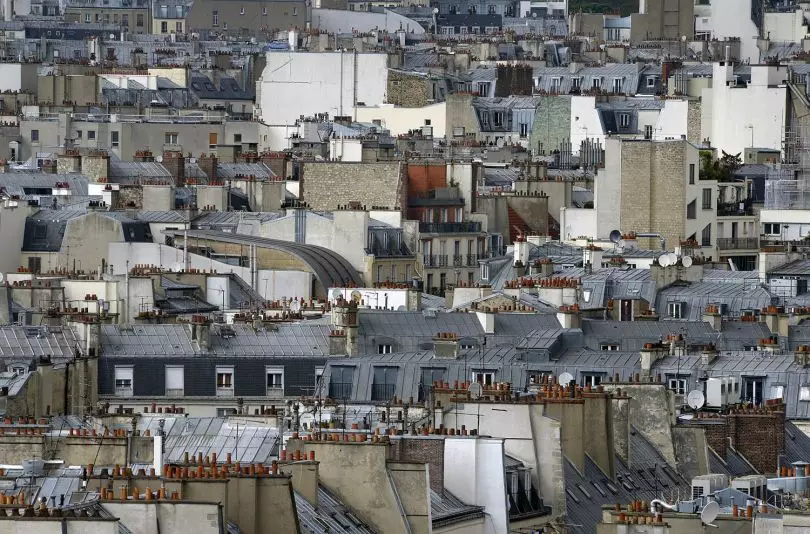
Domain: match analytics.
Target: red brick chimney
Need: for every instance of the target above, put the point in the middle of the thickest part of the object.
(208, 165)
(175, 163)
(143, 155)
(277, 162)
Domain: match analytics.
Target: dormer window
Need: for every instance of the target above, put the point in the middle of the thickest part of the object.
(624, 120)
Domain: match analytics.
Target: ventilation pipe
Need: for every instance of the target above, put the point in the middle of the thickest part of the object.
(653, 234)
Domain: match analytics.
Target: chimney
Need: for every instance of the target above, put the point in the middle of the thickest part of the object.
(344, 318)
(802, 356)
(96, 166)
(487, 320)
(277, 162)
(708, 355)
(70, 161)
(713, 316)
(445, 345)
(208, 165)
(543, 268)
(144, 156)
(337, 343)
(521, 250)
(592, 255)
(651, 353)
(175, 163)
(569, 316)
(49, 166)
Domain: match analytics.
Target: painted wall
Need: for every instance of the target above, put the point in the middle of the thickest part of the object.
(585, 122)
(732, 18)
(400, 120)
(295, 84)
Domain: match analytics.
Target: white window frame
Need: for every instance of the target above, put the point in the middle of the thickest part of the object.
(617, 85)
(277, 389)
(591, 379)
(650, 82)
(224, 391)
(624, 120)
(175, 391)
(385, 348)
(675, 310)
(772, 228)
(609, 347)
(124, 380)
(776, 391)
(523, 128)
(804, 393)
(677, 384)
(486, 378)
(556, 84)
(596, 83)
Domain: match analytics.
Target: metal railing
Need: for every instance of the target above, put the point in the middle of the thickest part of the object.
(458, 261)
(449, 227)
(726, 209)
(340, 390)
(737, 243)
(382, 392)
(275, 392)
(437, 260)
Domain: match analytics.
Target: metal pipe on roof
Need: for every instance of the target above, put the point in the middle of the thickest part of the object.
(653, 234)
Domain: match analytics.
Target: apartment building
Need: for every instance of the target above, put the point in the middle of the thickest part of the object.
(132, 15)
(258, 18)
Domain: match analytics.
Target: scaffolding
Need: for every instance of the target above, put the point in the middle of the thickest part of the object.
(787, 186)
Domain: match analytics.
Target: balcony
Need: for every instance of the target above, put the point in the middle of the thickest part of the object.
(458, 261)
(450, 227)
(224, 391)
(436, 197)
(340, 390)
(735, 209)
(382, 392)
(472, 260)
(737, 243)
(275, 392)
(437, 260)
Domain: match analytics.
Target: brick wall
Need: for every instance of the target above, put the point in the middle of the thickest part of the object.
(208, 165)
(760, 437)
(423, 177)
(175, 163)
(408, 90)
(328, 185)
(421, 449)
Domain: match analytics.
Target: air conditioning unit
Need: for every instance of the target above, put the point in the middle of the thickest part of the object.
(705, 485)
(753, 485)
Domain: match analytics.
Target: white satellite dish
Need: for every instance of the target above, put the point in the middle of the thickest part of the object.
(695, 399)
(475, 390)
(622, 243)
(663, 260)
(336, 293)
(673, 258)
(177, 267)
(192, 160)
(565, 378)
(709, 513)
(295, 306)
(499, 143)
(159, 159)
(686, 261)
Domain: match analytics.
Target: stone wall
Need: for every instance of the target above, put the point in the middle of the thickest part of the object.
(461, 114)
(330, 185)
(408, 90)
(552, 123)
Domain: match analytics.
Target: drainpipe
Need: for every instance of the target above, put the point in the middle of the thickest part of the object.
(126, 304)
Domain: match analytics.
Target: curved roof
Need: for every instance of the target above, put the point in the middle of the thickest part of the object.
(330, 268)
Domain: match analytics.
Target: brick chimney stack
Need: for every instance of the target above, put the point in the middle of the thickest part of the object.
(208, 165)
(175, 163)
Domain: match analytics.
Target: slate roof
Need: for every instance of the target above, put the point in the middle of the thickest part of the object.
(797, 444)
(142, 171)
(22, 343)
(447, 509)
(228, 89)
(736, 297)
(227, 171)
(168, 340)
(329, 516)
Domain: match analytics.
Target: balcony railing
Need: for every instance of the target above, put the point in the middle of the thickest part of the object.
(449, 227)
(437, 260)
(472, 260)
(458, 261)
(224, 391)
(382, 392)
(739, 209)
(340, 390)
(737, 243)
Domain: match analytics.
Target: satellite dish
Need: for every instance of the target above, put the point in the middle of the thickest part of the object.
(295, 306)
(695, 399)
(192, 160)
(336, 293)
(686, 261)
(615, 236)
(709, 513)
(177, 267)
(356, 296)
(159, 159)
(673, 258)
(621, 243)
(499, 142)
(475, 390)
(565, 378)
(663, 260)
(435, 10)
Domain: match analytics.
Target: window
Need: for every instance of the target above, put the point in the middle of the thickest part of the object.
(34, 135)
(486, 378)
(592, 380)
(648, 131)
(556, 84)
(650, 82)
(609, 346)
(596, 83)
(675, 310)
(752, 391)
(212, 140)
(123, 381)
(175, 381)
(484, 118)
(91, 135)
(275, 382)
(19, 369)
(225, 412)
(124, 20)
(295, 11)
(35, 264)
(691, 210)
(624, 120)
(224, 381)
(171, 138)
(385, 383)
(498, 118)
(772, 228)
(429, 377)
(776, 391)
(164, 27)
(340, 383)
(617, 85)
(215, 18)
(241, 10)
(707, 199)
(178, 27)
(677, 384)
(576, 83)
(384, 348)
(706, 236)
(804, 393)
(524, 129)
(691, 174)
(114, 139)
(264, 11)
(139, 20)
(237, 138)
